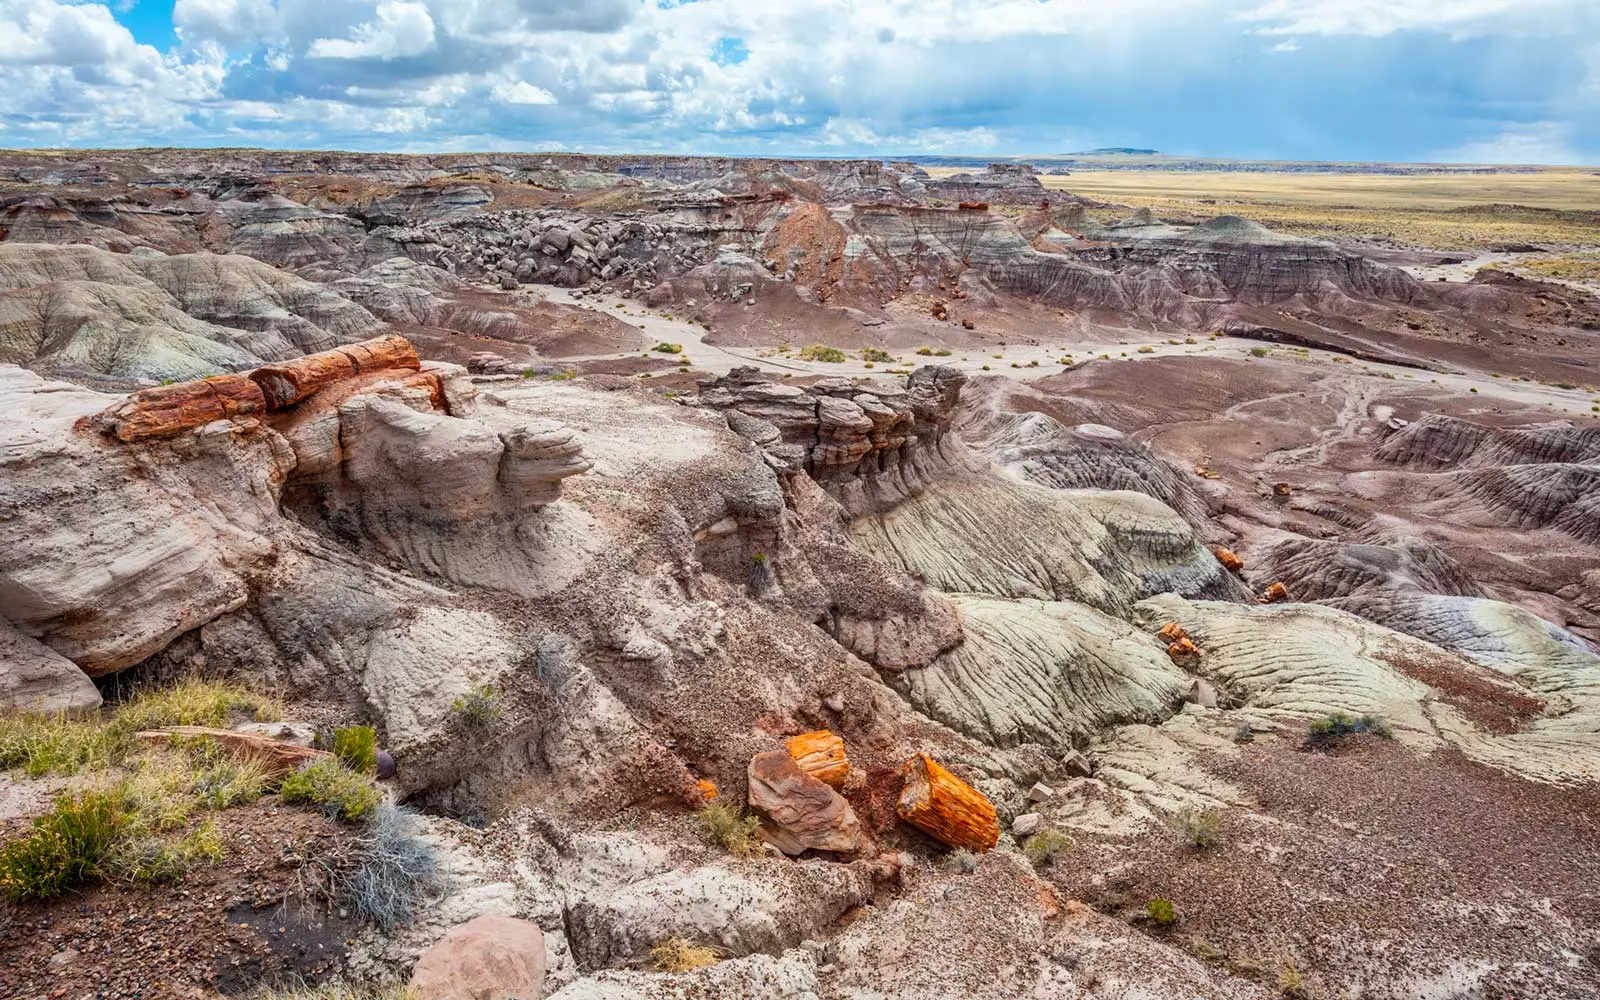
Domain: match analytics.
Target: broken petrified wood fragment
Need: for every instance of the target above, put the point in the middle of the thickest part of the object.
(173, 409)
(1230, 562)
(1184, 653)
(288, 382)
(278, 756)
(1172, 632)
(1274, 594)
(821, 755)
(801, 813)
(944, 807)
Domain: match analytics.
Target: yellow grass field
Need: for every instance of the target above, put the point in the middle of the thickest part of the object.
(1551, 207)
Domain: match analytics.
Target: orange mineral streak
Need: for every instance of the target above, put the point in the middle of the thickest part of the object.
(287, 383)
(173, 409)
(944, 807)
(1230, 562)
(1275, 593)
(821, 755)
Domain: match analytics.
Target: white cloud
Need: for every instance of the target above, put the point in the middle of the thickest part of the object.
(400, 28)
(232, 22)
(1461, 18)
(522, 92)
(1538, 143)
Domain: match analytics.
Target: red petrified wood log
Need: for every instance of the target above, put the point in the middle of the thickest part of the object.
(1230, 562)
(946, 808)
(1275, 593)
(278, 756)
(172, 409)
(1172, 632)
(288, 382)
(821, 755)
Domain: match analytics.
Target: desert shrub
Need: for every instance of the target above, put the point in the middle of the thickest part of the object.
(479, 709)
(1328, 730)
(1161, 912)
(1202, 828)
(1259, 352)
(149, 859)
(926, 352)
(337, 989)
(194, 702)
(724, 824)
(874, 354)
(1147, 349)
(1046, 845)
(563, 376)
(678, 955)
(357, 747)
(66, 847)
(666, 348)
(821, 352)
(40, 745)
(397, 869)
(234, 781)
(338, 791)
(962, 860)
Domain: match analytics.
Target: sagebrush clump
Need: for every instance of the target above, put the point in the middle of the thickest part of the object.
(724, 824)
(1329, 730)
(1046, 845)
(821, 352)
(678, 955)
(1202, 828)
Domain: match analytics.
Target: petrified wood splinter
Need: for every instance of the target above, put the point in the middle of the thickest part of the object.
(821, 755)
(946, 808)
(278, 757)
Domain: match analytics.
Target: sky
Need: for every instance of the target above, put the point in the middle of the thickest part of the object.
(1485, 81)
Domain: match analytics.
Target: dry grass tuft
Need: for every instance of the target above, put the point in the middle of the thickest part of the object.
(678, 955)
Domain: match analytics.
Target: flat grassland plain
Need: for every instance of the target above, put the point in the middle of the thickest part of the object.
(1554, 208)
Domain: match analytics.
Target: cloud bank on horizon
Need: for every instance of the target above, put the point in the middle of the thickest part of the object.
(1493, 81)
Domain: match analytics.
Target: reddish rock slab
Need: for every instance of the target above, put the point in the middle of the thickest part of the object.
(802, 813)
(486, 958)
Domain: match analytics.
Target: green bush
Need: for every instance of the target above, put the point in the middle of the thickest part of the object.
(1202, 828)
(41, 745)
(479, 709)
(1046, 845)
(149, 859)
(1259, 352)
(666, 348)
(724, 825)
(338, 791)
(357, 747)
(1330, 729)
(234, 781)
(821, 352)
(67, 846)
(1161, 912)
(873, 354)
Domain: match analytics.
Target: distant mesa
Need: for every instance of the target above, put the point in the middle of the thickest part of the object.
(1117, 151)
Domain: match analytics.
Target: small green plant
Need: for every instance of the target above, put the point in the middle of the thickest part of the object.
(566, 376)
(66, 846)
(528, 373)
(357, 747)
(150, 859)
(1046, 845)
(479, 709)
(759, 558)
(1202, 828)
(985, 367)
(338, 791)
(235, 781)
(723, 824)
(1259, 352)
(823, 353)
(1147, 349)
(871, 354)
(666, 348)
(1330, 729)
(1161, 912)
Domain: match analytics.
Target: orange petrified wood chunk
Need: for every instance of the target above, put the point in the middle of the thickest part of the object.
(1183, 652)
(944, 807)
(1230, 562)
(821, 755)
(173, 409)
(1172, 632)
(288, 382)
(1275, 593)
(707, 789)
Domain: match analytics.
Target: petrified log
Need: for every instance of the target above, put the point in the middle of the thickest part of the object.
(1275, 593)
(821, 755)
(278, 756)
(1172, 632)
(944, 807)
(1230, 562)
(1183, 652)
(173, 409)
(288, 382)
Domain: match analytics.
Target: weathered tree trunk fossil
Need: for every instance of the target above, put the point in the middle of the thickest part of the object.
(946, 808)
(289, 382)
(821, 755)
(173, 409)
(279, 757)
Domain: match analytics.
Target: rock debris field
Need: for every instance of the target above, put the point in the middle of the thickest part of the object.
(590, 577)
